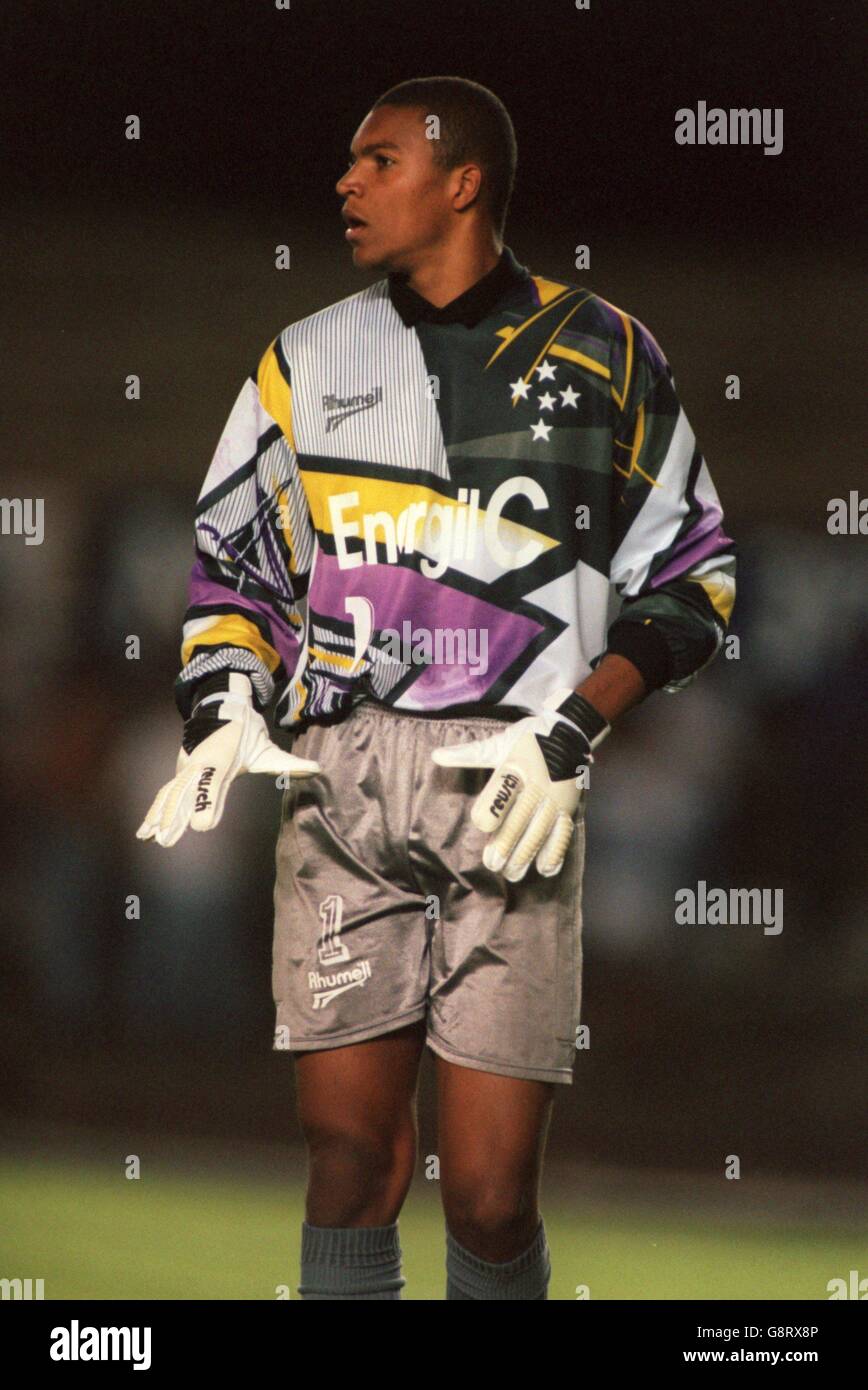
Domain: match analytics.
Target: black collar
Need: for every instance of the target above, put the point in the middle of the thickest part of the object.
(469, 307)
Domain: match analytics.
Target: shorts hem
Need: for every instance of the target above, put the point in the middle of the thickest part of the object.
(371, 1030)
(561, 1075)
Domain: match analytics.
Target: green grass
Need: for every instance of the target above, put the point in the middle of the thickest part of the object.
(91, 1234)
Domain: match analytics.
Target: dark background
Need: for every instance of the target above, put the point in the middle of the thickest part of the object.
(156, 257)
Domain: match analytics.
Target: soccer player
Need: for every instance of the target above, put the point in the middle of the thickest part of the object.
(406, 539)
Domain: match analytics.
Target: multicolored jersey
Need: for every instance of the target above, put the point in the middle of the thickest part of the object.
(435, 508)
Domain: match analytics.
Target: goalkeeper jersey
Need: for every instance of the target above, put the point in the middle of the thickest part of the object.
(433, 507)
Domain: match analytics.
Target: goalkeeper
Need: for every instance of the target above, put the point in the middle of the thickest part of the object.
(477, 455)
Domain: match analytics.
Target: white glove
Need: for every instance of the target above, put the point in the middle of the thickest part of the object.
(532, 796)
(224, 736)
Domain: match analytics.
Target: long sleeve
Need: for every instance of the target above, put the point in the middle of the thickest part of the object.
(254, 545)
(672, 564)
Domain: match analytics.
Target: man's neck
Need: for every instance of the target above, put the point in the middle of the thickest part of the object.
(443, 278)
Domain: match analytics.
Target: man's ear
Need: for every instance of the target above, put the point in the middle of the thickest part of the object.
(469, 186)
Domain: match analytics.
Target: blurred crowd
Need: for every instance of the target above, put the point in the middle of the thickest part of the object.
(748, 778)
(752, 777)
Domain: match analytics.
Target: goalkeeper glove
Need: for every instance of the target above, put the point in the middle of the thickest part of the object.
(532, 796)
(224, 736)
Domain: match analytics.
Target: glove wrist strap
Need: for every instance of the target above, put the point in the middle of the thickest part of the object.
(225, 685)
(587, 720)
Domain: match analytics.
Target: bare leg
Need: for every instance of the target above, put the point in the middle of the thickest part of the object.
(357, 1108)
(492, 1140)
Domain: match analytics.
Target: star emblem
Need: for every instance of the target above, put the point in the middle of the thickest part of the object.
(519, 388)
(546, 402)
(570, 396)
(541, 430)
(546, 371)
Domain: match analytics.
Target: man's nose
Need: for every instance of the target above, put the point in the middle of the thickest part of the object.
(347, 182)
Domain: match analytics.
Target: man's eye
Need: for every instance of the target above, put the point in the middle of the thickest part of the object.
(380, 158)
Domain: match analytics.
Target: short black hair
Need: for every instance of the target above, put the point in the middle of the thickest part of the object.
(475, 127)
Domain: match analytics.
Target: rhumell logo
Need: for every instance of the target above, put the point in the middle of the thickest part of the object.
(202, 801)
(345, 406)
(505, 795)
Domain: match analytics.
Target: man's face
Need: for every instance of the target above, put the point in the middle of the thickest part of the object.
(393, 185)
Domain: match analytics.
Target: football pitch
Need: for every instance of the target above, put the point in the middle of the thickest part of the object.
(91, 1233)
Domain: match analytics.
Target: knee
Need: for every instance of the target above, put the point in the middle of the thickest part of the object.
(492, 1217)
(358, 1174)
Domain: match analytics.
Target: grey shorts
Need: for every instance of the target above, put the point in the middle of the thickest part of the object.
(385, 913)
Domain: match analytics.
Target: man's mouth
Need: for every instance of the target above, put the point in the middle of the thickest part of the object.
(354, 225)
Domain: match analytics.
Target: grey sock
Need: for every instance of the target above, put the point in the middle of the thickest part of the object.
(350, 1262)
(527, 1276)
